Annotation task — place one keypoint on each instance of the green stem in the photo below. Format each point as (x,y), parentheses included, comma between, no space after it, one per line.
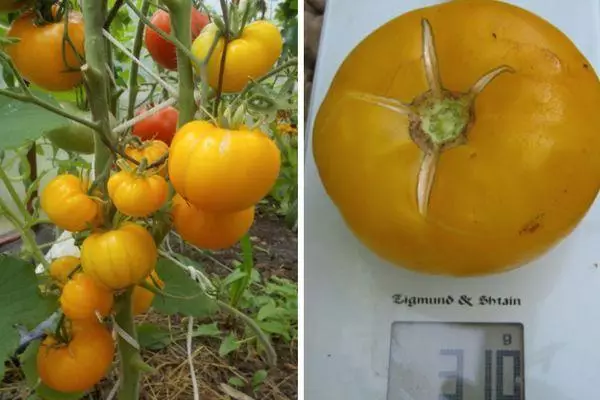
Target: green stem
(247,267)
(290,63)
(14,195)
(97,85)
(180,12)
(129,356)
(137,49)
(226,38)
(34,100)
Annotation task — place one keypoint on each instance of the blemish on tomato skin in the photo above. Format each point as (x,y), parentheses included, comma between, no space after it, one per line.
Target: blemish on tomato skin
(532,226)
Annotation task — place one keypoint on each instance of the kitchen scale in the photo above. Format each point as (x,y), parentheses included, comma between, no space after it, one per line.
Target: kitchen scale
(377,332)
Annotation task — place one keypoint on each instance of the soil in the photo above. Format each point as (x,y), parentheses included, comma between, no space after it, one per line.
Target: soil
(275,255)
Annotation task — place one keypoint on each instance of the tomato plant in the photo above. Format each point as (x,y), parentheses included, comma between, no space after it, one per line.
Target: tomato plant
(119,258)
(162,51)
(463,164)
(146,164)
(137,194)
(222,170)
(79,364)
(160,126)
(41,55)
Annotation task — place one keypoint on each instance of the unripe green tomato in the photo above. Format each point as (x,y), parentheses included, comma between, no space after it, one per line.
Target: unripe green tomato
(73,136)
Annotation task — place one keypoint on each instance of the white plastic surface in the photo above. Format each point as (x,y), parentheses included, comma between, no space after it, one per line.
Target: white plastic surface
(349,304)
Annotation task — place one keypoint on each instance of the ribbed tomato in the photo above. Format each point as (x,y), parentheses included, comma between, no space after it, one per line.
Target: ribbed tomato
(137,195)
(206,230)
(67,204)
(80,364)
(221,170)
(82,297)
(249,56)
(61,267)
(120,257)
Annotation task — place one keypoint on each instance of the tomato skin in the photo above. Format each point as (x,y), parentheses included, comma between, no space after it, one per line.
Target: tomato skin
(152,150)
(142,298)
(211,231)
(61,267)
(250,56)
(39,54)
(81,297)
(161,51)
(220,170)
(527,174)
(137,195)
(160,126)
(78,365)
(119,258)
(65,201)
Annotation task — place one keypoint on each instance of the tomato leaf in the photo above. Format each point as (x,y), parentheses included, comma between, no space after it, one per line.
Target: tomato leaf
(259,377)
(153,337)
(184,295)
(29,368)
(22,122)
(21,303)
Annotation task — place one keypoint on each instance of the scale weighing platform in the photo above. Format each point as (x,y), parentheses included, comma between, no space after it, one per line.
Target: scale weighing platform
(378,332)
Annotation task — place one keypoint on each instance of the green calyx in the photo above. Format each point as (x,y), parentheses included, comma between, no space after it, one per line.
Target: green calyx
(444,120)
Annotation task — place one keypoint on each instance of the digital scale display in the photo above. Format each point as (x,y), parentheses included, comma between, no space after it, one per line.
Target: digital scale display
(456,361)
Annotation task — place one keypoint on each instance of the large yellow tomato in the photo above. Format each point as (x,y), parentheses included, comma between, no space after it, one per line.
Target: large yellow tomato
(42,56)
(120,257)
(249,56)
(221,170)
(206,230)
(67,204)
(137,195)
(80,364)
(471,152)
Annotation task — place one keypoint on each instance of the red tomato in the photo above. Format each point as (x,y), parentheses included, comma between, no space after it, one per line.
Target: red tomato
(161,126)
(163,52)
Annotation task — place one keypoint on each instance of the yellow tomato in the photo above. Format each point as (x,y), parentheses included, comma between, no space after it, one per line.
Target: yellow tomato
(142,298)
(62,267)
(80,364)
(65,201)
(120,257)
(82,297)
(151,150)
(439,174)
(137,195)
(41,56)
(249,56)
(212,231)
(221,170)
